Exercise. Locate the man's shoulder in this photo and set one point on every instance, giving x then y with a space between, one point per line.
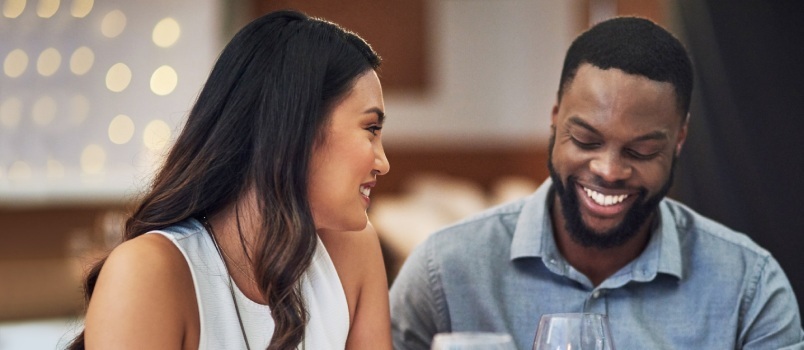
709 233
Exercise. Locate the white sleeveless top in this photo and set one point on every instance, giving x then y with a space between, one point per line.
328 322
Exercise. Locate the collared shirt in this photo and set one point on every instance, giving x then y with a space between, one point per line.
697 284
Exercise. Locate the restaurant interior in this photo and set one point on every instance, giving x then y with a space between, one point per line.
93 91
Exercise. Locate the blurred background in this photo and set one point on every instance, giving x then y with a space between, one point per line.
93 92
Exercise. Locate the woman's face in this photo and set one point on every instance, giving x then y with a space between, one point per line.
345 164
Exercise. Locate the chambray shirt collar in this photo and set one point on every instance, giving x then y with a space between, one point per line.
533 237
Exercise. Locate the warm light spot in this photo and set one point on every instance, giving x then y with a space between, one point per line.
156 135
166 32
44 111
11 113
118 77
48 62
13 8
81 8
164 80
55 170
93 159
79 109
15 63
47 8
19 170
81 61
113 24
121 129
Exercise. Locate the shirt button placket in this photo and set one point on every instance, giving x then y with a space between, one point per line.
596 302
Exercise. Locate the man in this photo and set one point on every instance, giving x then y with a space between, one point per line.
599 236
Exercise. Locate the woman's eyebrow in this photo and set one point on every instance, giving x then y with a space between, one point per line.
380 114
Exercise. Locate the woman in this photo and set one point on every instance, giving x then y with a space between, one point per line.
241 240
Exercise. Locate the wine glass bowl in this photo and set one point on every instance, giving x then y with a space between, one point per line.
573 331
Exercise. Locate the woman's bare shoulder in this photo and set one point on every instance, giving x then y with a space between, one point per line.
143 296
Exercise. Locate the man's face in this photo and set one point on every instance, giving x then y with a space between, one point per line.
612 152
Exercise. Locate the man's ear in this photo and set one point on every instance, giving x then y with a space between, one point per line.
682 135
554 114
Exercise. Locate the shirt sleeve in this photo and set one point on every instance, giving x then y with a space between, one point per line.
770 312
418 308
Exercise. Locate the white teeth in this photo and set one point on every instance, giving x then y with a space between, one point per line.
602 199
366 191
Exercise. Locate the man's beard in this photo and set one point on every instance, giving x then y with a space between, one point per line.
582 234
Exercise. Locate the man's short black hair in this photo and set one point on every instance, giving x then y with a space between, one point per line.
635 46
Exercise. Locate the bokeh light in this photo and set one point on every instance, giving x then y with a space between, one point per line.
156 135
166 32
113 24
121 129
48 62
81 8
82 60
15 63
10 113
118 77
93 159
44 110
164 80
47 8
13 8
19 170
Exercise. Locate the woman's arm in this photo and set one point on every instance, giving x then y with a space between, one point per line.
144 298
358 258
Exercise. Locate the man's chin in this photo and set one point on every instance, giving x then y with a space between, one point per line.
601 226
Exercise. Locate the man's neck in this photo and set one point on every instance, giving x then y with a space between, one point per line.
597 264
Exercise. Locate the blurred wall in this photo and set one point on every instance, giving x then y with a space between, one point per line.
743 163
460 73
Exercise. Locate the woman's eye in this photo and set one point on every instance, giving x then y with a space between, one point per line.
374 129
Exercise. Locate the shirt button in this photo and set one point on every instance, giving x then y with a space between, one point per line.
596 294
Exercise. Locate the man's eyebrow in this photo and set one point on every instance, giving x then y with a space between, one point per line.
575 120
657 135
380 114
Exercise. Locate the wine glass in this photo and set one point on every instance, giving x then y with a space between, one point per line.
473 341
575 331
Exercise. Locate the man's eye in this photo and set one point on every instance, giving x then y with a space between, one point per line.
641 156
584 145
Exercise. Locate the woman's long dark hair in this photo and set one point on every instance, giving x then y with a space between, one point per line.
253 127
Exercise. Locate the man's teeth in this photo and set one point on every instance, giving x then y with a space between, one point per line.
365 191
604 200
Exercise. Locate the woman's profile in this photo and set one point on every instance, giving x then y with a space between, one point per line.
254 233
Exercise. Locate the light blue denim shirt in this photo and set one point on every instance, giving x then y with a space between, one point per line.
697 285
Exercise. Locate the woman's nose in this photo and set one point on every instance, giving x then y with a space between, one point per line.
381 164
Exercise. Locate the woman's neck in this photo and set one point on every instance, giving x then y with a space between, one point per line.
235 230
